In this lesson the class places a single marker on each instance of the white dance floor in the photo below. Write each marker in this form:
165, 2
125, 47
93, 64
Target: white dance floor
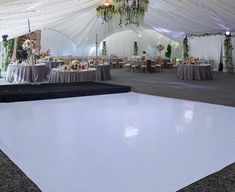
117, 143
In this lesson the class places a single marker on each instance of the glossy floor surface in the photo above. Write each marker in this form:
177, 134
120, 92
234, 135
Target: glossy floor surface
117, 143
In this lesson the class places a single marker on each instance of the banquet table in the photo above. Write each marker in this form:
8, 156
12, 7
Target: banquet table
26, 73
53, 64
194, 71
61, 76
102, 72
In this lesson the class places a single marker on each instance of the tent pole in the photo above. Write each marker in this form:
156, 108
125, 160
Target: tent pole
96, 45
31, 46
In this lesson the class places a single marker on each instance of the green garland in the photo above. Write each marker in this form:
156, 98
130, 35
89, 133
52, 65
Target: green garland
185, 47
135, 48
8, 52
203, 34
228, 54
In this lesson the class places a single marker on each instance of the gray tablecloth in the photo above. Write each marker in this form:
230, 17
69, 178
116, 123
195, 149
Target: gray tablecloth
53, 64
194, 71
58, 76
102, 72
26, 73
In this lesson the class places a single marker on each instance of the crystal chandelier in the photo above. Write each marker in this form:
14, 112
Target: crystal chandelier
127, 12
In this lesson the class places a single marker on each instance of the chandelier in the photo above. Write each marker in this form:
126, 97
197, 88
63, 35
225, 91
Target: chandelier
126, 12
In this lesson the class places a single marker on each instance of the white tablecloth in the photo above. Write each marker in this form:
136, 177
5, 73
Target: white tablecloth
59, 76
26, 73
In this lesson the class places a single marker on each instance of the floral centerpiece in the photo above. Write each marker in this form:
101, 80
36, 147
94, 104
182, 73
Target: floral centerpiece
48, 58
91, 61
74, 65
66, 68
30, 47
27, 45
46, 55
160, 47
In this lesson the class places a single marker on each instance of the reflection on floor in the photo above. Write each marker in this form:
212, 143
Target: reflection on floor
124, 142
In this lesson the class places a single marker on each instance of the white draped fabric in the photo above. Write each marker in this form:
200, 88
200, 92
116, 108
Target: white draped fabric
77, 19
120, 44
207, 47
59, 44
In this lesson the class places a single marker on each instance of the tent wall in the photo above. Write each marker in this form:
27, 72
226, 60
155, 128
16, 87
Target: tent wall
120, 44
207, 47
59, 44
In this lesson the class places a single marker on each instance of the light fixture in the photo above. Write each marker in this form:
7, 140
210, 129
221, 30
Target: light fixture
228, 34
105, 10
126, 12
4, 38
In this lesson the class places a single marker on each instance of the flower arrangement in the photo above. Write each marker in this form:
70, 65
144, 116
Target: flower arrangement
74, 65
27, 44
46, 53
160, 47
48, 58
91, 61
66, 68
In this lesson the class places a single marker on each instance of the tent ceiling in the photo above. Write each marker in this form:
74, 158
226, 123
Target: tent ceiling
77, 20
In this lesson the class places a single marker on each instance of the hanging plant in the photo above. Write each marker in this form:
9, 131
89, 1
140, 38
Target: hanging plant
125, 11
228, 54
8, 52
168, 51
104, 49
105, 11
135, 49
185, 47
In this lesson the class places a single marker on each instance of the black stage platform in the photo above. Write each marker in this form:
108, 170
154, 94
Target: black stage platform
16, 92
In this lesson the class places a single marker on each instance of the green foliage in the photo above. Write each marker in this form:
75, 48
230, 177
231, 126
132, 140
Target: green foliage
8, 51
135, 48
104, 49
185, 47
106, 12
124, 11
20, 41
168, 51
228, 53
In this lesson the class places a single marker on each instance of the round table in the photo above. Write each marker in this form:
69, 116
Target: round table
60, 76
194, 71
102, 72
26, 73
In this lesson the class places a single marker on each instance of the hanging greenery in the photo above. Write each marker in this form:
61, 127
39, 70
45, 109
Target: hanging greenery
228, 54
7, 54
104, 49
125, 11
185, 47
105, 11
203, 34
168, 51
135, 48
